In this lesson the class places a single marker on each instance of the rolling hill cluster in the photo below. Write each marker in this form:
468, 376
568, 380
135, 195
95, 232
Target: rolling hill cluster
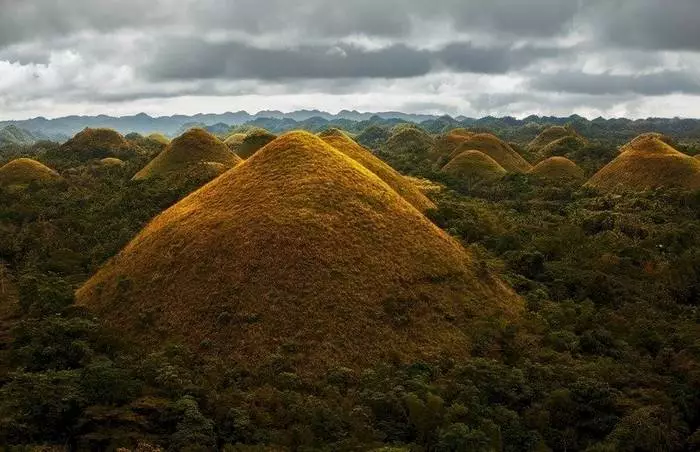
390, 288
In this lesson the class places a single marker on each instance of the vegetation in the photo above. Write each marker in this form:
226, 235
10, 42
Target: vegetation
495, 148
602, 356
99, 143
251, 143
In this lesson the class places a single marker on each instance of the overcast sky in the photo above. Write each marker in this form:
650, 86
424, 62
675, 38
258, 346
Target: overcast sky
634, 58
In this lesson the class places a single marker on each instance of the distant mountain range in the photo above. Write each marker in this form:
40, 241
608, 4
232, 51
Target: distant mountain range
60, 129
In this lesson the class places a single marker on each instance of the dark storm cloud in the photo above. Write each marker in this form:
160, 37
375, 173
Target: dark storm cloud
197, 59
648, 24
656, 84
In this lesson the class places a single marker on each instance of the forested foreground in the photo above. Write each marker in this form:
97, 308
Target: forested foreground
606, 358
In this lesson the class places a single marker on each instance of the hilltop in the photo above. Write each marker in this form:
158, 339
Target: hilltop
646, 163
558, 168
24, 171
309, 255
191, 148
98, 144
473, 167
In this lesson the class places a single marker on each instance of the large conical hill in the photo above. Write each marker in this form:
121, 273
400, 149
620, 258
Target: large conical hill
299, 252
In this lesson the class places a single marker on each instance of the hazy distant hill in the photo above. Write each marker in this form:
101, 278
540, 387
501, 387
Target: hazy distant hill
618, 129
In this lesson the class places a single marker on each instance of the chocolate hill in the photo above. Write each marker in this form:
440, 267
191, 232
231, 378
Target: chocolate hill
24, 171
646, 163
473, 167
100, 143
189, 149
300, 252
558, 168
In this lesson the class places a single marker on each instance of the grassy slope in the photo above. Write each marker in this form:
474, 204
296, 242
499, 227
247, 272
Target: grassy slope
403, 187
474, 166
558, 168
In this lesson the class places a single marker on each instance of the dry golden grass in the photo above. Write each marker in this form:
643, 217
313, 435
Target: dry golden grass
252, 143
425, 185
497, 149
474, 167
24, 171
191, 148
650, 142
547, 136
112, 162
301, 251
159, 138
99, 143
343, 143
648, 163
558, 168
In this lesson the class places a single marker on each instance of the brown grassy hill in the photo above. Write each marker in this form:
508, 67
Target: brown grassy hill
24, 171
190, 148
343, 143
253, 142
410, 141
650, 142
159, 138
100, 143
473, 167
558, 168
697, 156
497, 149
111, 162
648, 163
302, 252
547, 136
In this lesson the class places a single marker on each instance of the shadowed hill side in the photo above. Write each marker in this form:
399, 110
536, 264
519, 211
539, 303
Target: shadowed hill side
159, 138
497, 149
24, 171
373, 137
547, 136
251, 143
309, 255
99, 143
562, 146
410, 141
474, 167
191, 148
558, 168
343, 143
647, 163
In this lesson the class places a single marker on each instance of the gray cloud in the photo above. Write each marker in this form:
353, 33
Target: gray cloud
656, 84
187, 59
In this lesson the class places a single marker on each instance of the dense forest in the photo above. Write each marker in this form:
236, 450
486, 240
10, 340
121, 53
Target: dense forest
605, 355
